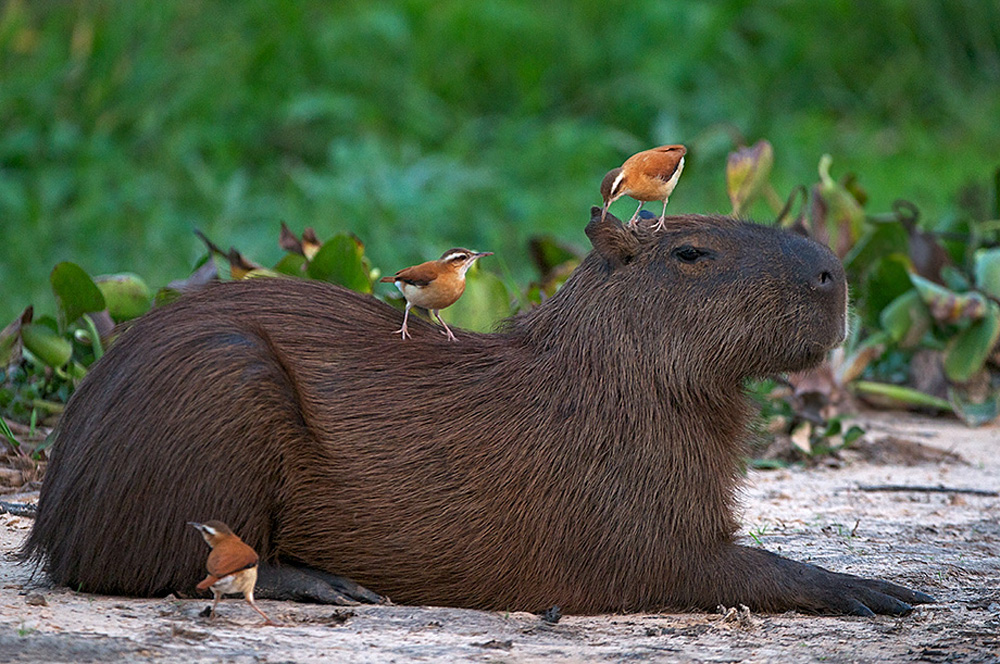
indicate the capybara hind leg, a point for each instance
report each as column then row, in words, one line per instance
column 345, row 586
column 301, row 584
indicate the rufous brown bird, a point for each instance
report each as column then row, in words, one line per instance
column 232, row 565
column 650, row 175
column 435, row 285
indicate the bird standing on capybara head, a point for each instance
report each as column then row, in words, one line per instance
column 587, row 455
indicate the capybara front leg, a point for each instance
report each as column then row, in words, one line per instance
column 765, row 581
column 303, row 584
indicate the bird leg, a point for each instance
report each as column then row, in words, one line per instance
column 267, row 621
column 215, row 603
column 662, row 223
column 447, row 332
column 635, row 217
column 403, row 330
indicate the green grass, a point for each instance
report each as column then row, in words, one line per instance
column 425, row 125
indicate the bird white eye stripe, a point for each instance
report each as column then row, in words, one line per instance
column 617, row 182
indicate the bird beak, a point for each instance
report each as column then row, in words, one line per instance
column 604, row 212
column 484, row 253
column 195, row 524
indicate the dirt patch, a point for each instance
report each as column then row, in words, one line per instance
column 945, row 543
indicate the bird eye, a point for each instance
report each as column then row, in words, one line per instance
column 689, row 254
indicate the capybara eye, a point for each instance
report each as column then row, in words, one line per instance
column 689, row 254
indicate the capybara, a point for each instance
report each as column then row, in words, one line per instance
column 587, row 454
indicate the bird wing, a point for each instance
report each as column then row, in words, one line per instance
column 235, row 556
column 663, row 165
column 418, row 275
column 659, row 163
column 207, row 583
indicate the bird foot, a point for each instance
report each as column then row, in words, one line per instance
column 448, row 333
column 305, row 584
column 404, row 332
column 660, row 225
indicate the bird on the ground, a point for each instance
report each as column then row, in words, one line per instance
column 650, row 175
column 232, row 565
column 435, row 285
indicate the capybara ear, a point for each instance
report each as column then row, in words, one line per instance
column 800, row 228
column 617, row 244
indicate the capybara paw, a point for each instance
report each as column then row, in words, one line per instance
column 852, row 595
column 304, row 584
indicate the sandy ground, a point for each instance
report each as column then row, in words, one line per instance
column 947, row 544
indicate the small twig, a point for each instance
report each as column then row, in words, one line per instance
column 926, row 489
column 19, row 509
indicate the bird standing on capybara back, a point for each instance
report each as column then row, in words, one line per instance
column 587, row 455
column 435, row 285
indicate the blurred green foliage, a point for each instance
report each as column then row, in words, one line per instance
column 925, row 332
column 422, row 125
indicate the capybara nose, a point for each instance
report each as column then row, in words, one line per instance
column 824, row 280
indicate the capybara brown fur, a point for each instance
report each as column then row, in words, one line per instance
column 587, row 454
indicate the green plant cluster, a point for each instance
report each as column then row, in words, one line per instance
column 933, row 291
column 425, row 124
column 926, row 296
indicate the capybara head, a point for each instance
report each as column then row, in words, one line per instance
column 714, row 296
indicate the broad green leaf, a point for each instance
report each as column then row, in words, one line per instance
column 955, row 279
column 954, row 232
column 341, row 261
column 968, row 350
column 76, row 293
column 884, row 282
column 292, row 265
column 947, row 306
column 484, row 303
column 47, row 345
column 974, row 413
column 877, row 241
column 988, row 272
column 747, row 171
column 126, row 295
column 906, row 319
column 897, row 396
